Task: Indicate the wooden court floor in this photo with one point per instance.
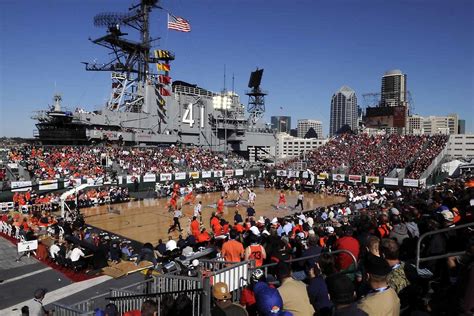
(148, 220)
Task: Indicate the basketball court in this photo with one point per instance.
(148, 220)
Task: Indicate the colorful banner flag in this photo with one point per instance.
(164, 79)
(178, 24)
(164, 92)
(163, 67)
(163, 54)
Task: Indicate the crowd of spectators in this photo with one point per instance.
(101, 195)
(433, 147)
(53, 162)
(374, 155)
(376, 227)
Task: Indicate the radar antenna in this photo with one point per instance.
(256, 104)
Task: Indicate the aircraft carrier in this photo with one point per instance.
(146, 107)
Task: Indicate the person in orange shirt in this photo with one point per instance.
(203, 237)
(220, 205)
(214, 219)
(195, 227)
(233, 250)
(255, 252)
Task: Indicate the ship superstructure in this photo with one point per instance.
(146, 107)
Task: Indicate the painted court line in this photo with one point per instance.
(25, 275)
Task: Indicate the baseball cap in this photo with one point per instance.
(448, 215)
(269, 301)
(255, 230)
(330, 229)
(220, 291)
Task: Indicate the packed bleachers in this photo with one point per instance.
(53, 162)
(375, 155)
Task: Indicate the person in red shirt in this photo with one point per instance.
(349, 243)
(281, 200)
(233, 250)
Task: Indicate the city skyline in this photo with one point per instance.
(54, 41)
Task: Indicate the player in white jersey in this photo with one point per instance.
(252, 197)
(198, 210)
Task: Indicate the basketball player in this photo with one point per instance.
(252, 197)
(189, 198)
(300, 200)
(241, 193)
(220, 205)
(198, 210)
(281, 199)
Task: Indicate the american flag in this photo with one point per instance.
(178, 24)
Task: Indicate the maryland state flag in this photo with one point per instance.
(163, 54)
(163, 67)
(164, 92)
(164, 79)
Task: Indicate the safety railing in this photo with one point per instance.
(126, 303)
(446, 255)
(63, 310)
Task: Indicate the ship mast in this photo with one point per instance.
(129, 65)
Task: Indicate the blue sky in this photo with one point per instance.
(308, 48)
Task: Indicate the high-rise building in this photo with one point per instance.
(343, 110)
(289, 146)
(394, 89)
(415, 125)
(461, 126)
(305, 125)
(441, 124)
(281, 124)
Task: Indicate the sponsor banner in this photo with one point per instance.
(194, 175)
(131, 179)
(218, 174)
(27, 245)
(149, 177)
(229, 173)
(281, 173)
(372, 179)
(322, 176)
(390, 181)
(410, 183)
(12, 165)
(305, 174)
(355, 178)
(293, 174)
(180, 176)
(338, 177)
(239, 172)
(48, 185)
(18, 186)
(206, 174)
(166, 177)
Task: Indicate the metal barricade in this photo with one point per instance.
(63, 310)
(451, 254)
